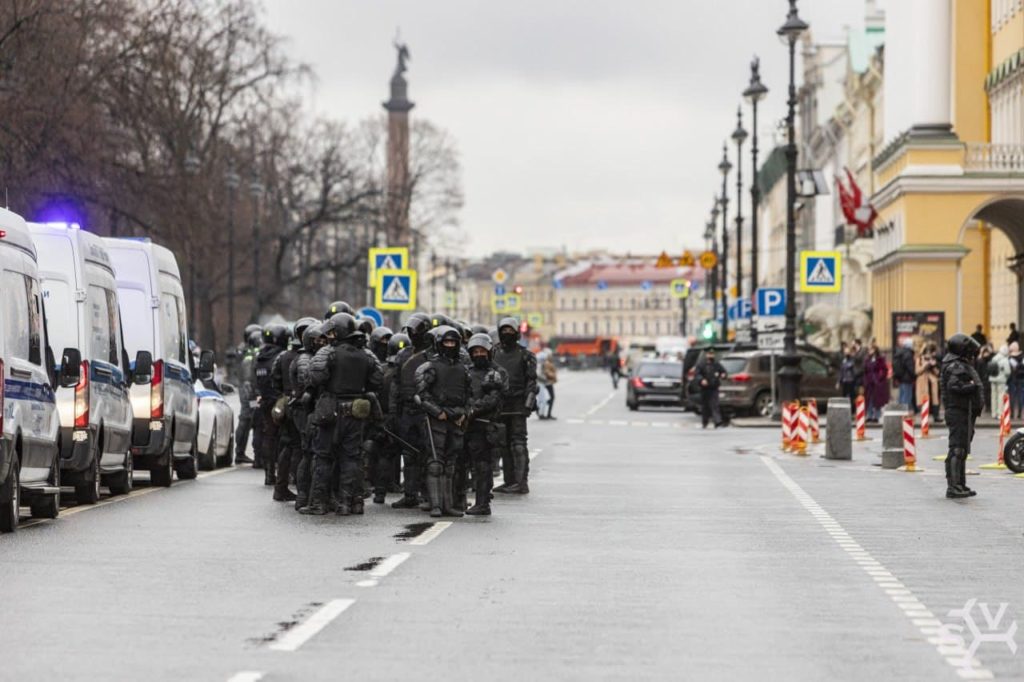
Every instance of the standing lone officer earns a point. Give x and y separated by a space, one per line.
709 378
345 374
520 365
962 390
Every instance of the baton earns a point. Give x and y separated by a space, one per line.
401 441
430 436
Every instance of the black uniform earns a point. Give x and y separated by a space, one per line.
488 383
268 395
345 374
408 419
708 376
288 434
443 386
384 450
520 366
962 391
306 395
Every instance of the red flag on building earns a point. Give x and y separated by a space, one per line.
856 209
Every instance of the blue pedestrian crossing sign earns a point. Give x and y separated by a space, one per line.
680 288
821 272
771 301
386 258
396 290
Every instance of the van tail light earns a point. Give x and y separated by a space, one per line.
741 378
2 382
82 398
637 382
156 391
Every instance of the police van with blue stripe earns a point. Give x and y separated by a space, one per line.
30 436
80 293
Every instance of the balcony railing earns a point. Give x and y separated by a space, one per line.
995 158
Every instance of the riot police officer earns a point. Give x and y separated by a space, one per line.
312 340
963 393
283 378
275 341
247 395
346 377
406 413
382 448
488 383
379 339
443 388
339 307
520 364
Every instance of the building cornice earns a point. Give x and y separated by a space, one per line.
946 184
909 252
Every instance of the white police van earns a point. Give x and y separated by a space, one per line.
152 303
29 424
82 312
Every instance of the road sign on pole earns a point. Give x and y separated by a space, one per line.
396 290
821 272
373 314
771 301
708 260
687 259
663 261
680 288
386 258
770 340
499 276
740 309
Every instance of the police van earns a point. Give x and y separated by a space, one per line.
165 411
29 423
80 293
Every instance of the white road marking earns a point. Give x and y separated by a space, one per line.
919 615
367 583
246 676
217 472
601 404
303 632
660 424
640 423
426 536
534 454
576 421
618 422
391 563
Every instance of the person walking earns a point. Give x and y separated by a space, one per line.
1014 336
547 376
1016 383
876 382
981 366
926 368
709 377
999 371
614 368
903 374
848 376
979 336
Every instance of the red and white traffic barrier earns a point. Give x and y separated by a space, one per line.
926 417
909 445
799 442
787 426
861 419
815 423
1004 431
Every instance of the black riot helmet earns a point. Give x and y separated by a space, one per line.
448 340
300 327
417 327
380 337
339 307
398 343
276 335
313 337
508 331
963 346
478 329
442 320
365 325
249 329
255 338
343 325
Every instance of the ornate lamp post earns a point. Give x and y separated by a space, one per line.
724 166
714 249
754 93
790 374
739 136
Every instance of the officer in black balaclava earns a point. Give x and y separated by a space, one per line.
442 386
520 364
289 438
405 413
488 383
312 340
379 339
963 395
247 395
275 341
345 376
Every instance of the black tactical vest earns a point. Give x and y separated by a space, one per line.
407 376
512 362
450 385
350 372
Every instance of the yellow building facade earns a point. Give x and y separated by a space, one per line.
950 182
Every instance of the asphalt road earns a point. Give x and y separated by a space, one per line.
648 549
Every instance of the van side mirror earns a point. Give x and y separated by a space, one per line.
205 364
70 368
228 389
142 373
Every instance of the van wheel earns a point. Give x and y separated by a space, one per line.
225 459
208 459
1013 454
88 491
48 506
186 468
10 499
123 481
161 475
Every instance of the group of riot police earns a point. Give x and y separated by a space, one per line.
347 409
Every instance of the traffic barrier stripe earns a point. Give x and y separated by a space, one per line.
815 424
926 417
909 445
861 418
801 431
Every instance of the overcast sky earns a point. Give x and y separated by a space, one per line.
583 123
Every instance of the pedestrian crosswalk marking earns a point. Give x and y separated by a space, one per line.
396 292
821 274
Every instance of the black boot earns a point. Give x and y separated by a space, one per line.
448 499
962 478
521 462
953 490
285 495
435 491
379 497
315 509
300 502
406 503
482 504
357 506
344 507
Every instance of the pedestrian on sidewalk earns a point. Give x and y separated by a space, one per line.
999 376
876 382
848 385
981 365
979 336
926 367
709 376
547 376
904 374
1016 383
1014 336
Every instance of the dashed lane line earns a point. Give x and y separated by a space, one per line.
601 404
382 569
246 676
428 535
951 649
302 633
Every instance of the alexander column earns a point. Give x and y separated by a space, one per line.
397 227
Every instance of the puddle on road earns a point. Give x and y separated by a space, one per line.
367 565
413 530
285 625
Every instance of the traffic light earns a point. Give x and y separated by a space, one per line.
707 331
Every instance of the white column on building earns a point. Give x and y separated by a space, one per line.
917 67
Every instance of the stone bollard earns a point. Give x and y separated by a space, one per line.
892 438
838 438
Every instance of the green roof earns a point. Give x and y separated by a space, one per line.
863 45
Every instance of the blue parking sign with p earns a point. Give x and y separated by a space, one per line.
771 302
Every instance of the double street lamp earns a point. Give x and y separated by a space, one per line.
754 93
739 136
724 166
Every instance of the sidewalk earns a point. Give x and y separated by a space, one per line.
768 423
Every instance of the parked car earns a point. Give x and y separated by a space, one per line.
29 423
654 382
166 411
215 439
82 312
747 389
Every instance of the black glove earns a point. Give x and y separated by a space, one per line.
531 402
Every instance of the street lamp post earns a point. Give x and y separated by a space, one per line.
724 166
256 192
231 181
713 228
739 136
192 166
790 374
754 93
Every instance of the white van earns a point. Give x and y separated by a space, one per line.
153 306
80 293
29 424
